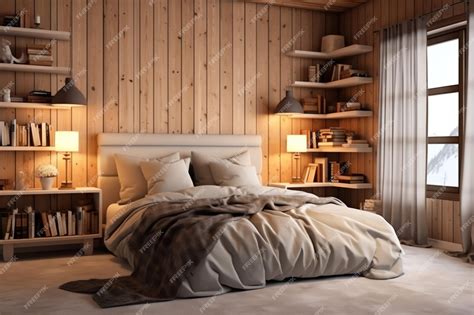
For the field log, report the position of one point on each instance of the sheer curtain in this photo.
(402, 129)
(467, 187)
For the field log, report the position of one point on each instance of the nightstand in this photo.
(69, 216)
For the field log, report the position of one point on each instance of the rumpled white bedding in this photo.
(306, 242)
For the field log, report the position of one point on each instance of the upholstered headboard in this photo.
(156, 145)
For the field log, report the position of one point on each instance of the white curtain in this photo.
(402, 129)
(467, 186)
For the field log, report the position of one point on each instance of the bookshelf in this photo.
(339, 84)
(21, 105)
(340, 150)
(26, 149)
(321, 185)
(35, 33)
(348, 51)
(345, 52)
(37, 196)
(34, 68)
(341, 115)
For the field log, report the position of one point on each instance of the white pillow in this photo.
(226, 173)
(166, 177)
(133, 185)
(202, 172)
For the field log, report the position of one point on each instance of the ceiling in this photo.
(320, 5)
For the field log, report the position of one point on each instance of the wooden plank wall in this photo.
(372, 17)
(161, 66)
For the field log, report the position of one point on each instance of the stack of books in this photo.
(337, 169)
(39, 97)
(348, 73)
(316, 172)
(350, 179)
(337, 70)
(314, 105)
(34, 224)
(31, 134)
(39, 55)
(332, 137)
(356, 144)
(347, 106)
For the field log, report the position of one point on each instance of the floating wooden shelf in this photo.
(340, 150)
(34, 32)
(344, 83)
(26, 149)
(341, 115)
(19, 105)
(322, 185)
(54, 191)
(349, 51)
(50, 240)
(33, 68)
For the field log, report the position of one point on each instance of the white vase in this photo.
(47, 182)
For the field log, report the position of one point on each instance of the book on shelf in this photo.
(331, 144)
(337, 69)
(322, 164)
(25, 135)
(29, 223)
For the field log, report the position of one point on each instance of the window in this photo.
(445, 114)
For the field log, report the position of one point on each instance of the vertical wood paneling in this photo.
(251, 74)
(263, 85)
(238, 70)
(110, 112)
(225, 58)
(161, 105)
(213, 66)
(274, 94)
(144, 75)
(186, 33)
(200, 62)
(174, 75)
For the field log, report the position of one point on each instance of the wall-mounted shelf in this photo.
(33, 68)
(34, 32)
(26, 149)
(340, 150)
(54, 191)
(322, 185)
(339, 84)
(341, 115)
(19, 105)
(349, 51)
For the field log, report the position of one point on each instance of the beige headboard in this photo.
(156, 145)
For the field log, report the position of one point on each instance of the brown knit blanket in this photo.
(172, 239)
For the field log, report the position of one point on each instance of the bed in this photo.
(293, 235)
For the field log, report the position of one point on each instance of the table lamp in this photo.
(296, 144)
(67, 142)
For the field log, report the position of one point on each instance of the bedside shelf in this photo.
(54, 191)
(349, 51)
(340, 150)
(34, 32)
(22, 105)
(32, 68)
(344, 83)
(26, 149)
(86, 239)
(322, 185)
(341, 115)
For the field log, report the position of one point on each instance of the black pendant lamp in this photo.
(289, 105)
(69, 95)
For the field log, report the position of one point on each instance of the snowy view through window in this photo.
(443, 114)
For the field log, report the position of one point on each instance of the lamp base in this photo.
(66, 186)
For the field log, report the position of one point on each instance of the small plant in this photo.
(46, 170)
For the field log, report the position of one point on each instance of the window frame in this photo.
(449, 192)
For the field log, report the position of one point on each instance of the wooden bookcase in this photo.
(51, 201)
(346, 52)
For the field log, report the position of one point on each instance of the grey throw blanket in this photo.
(172, 239)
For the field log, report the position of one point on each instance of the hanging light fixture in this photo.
(289, 105)
(69, 95)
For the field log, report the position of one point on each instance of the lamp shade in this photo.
(289, 105)
(69, 95)
(67, 141)
(296, 143)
